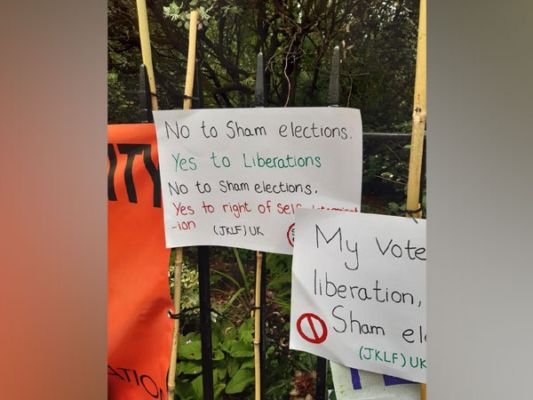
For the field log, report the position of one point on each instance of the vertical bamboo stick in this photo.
(178, 266)
(257, 326)
(419, 126)
(146, 50)
(191, 60)
(178, 261)
(419, 117)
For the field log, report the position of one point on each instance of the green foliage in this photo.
(282, 363)
(377, 40)
(240, 286)
(233, 363)
(385, 171)
(279, 279)
(189, 284)
(180, 15)
(119, 99)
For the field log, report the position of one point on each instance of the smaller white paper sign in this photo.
(359, 291)
(351, 384)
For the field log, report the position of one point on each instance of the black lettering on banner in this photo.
(143, 381)
(154, 174)
(125, 370)
(156, 395)
(133, 150)
(111, 194)
(112, 372)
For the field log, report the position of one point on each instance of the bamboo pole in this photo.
(191, 60)
(257, 326)
(419, 126)
(146, 50)
(419, 117)
(178, 267)
(178, 260)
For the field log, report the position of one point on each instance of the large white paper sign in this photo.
(234, 177)
(359, 291)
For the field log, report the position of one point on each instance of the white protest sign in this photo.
(351, 384)
(234, 177)
(359, 291)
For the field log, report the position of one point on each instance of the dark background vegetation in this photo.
(377, 41)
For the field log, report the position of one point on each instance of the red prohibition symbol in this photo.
(290, 235)
(312, 328)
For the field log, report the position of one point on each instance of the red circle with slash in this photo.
(316, 330)
(290, 235)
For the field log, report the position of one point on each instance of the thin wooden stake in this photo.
(263, 318)
(419, 126)
(146, 50)
(178, 267)
(257, 326)
(178, 261)
(191, 61)
(419, 118)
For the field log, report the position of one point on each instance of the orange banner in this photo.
(139, 330)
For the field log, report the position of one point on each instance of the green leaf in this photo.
(226, 345)
(228, 277)
(219, 374)
(190, 367)
(215, 337)
(230, 333)
(234, 297)
(184, 390)
(248, 364)
(219, 389)
(179, 370)
(246, 331)
(241, 269)
(240, 349)
(190, 347)
(218, 355)
(233, 366)
(197, 387)
(240, 381)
